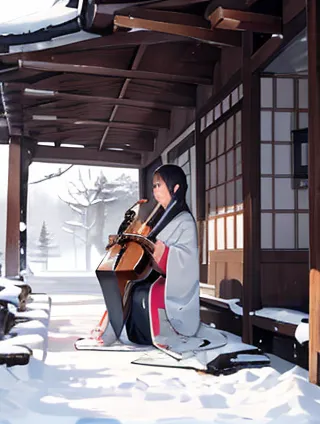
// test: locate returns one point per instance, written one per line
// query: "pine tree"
(44, 244)
(44, 248)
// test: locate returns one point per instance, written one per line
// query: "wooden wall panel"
(225, 272)
(284, 279)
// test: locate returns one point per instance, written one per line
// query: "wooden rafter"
(154, 119)
(111, 72)
(99, 15)
(57, 95)
(122, 93)
(174, 4)
(264, 53)
(154, 95)
(86, 156)
(95, 123)
(174, 23)
(50, 133)
(229, 19)
(165, 16)
(117, 39)
(9, 69)
(137, 146)
(140, 145)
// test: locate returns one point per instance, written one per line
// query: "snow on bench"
(31, 329)
(281, 320)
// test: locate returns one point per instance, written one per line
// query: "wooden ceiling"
(112, 94)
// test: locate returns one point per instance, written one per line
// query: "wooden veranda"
(153, 69)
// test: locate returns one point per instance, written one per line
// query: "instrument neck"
(164, 220)
(152, 214)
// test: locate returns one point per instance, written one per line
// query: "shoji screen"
(284, 209)
(224, 202)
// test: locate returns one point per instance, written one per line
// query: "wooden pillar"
(142, 184)
(251, 188)
(313, 25)
(201, 195)
(25, 161)
(12, 262)
(200, 172)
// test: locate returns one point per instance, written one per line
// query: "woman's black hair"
(172, 175)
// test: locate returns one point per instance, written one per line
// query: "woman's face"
(160, 191)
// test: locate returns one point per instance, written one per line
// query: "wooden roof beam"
(153, 119)
(14, 91)
(139, 144)
(86, 157)
(173, 4)
(114, 124)
(229, 19)
(117, 39)
(164, 16)
(176, 24)
(58, 95)
(99, 15)
(111, 72)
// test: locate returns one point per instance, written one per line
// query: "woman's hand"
(159, 250)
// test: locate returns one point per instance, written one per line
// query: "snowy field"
(104, 388)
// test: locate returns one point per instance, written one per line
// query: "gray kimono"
(182, 278)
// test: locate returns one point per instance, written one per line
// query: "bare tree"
(89, 201)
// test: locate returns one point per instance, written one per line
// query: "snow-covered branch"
(53, 175)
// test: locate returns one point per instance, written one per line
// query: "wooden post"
(201, 195)
(142, 183)
(251, 188)
(313, 25)
(12, 261)
(200, 172)
(25, 161)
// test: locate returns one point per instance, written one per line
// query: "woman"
(164, 308)
(176, 254)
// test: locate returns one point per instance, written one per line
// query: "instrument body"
(128, 258)
(128, 251)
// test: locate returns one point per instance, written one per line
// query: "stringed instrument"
(130, 252)
(128, 258)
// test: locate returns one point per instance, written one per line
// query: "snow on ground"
(104, 388)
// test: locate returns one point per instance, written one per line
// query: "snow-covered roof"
(22, 17)
(40, 24)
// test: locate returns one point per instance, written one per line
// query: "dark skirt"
(138, 322)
